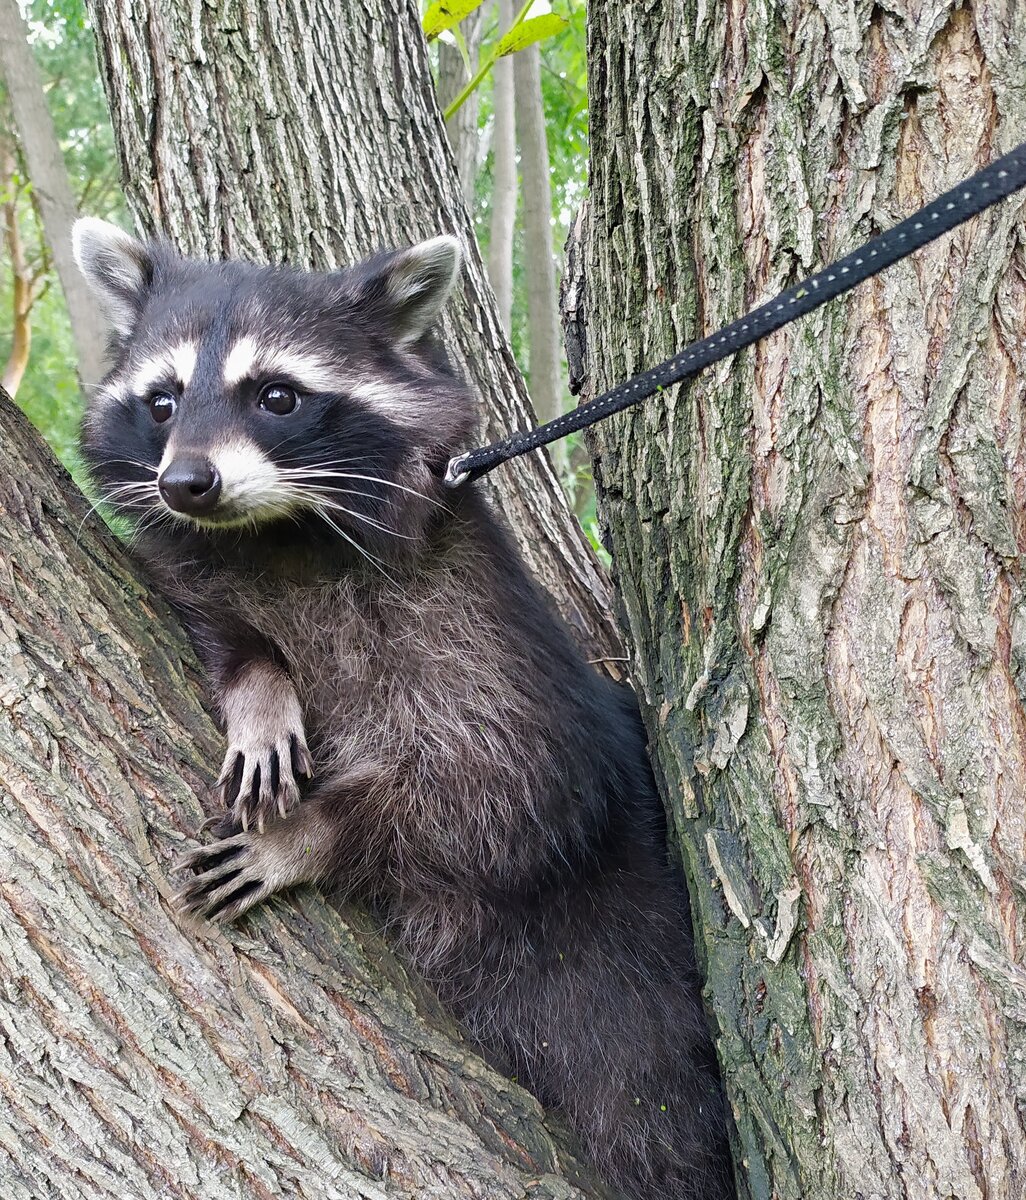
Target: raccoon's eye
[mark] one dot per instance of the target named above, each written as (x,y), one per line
(162,405)
(279,399)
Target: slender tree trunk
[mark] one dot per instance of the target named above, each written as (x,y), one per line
(52,186)
(539,264)
(217,113)
(462,125)
(504,177)
(21,278)
(142,1057)
(819,554)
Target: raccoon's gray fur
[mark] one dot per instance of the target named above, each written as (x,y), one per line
(407,720)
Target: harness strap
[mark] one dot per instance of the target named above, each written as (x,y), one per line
(980,191)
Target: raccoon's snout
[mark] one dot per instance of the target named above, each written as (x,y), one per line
(190,486)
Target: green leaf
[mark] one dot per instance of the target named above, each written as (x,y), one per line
(444,14)
(528,32)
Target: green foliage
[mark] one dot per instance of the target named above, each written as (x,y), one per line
(49,394)
(444,14)
(525,33)
(62,42)
(521,34)
(565,97)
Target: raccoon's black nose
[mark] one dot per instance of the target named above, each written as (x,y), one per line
(190,486)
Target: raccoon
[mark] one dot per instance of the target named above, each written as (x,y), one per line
(407,720)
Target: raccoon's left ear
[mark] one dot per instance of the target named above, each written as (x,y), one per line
(117,266)
(416,284)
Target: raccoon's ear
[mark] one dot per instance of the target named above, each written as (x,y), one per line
(416,284)
(117,266)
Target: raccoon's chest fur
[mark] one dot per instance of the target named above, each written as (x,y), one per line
(420,688)
(391,659)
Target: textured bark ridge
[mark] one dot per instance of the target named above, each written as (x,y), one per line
(144,1058)
(309,132)
(819,550)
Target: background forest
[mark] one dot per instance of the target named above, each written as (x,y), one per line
(498,167)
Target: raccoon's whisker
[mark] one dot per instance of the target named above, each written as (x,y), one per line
(130,462)
(369,479)
(330,462)
(111,498)
(376,562)
(320,489)
(140,488)
(153,520)
(311,469)
(336,507)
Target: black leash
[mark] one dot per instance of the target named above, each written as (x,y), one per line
(978,192)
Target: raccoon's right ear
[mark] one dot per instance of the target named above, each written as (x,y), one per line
(410,287)
(117,266)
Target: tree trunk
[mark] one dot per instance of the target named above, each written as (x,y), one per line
(142,1057)
(52,186)
(539,267)
(21,277)
(504,177)
(818,549)
(462,125)
(310,132)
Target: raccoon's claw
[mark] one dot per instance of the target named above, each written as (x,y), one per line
(229,878)
(259,783)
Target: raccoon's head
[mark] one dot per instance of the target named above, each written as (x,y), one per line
(245,396)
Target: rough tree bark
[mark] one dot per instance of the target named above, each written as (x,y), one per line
(49,176)
(139,1056)
(540,266)
(819,555)
(504,177)
(309,132)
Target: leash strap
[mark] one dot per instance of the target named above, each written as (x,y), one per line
(987,187)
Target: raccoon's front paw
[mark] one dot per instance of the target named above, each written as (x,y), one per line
(230,877)
(259,778)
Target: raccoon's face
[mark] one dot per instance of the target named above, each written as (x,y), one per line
(245,396)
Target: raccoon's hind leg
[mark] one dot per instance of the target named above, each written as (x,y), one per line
(238,871)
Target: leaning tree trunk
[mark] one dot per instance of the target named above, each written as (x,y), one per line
(819,554)
(309,132)
(143,1057)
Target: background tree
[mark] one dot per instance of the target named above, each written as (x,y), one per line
(52,191)
(542,292)
(457,62)
(504,177)
(63,49)
(818,552)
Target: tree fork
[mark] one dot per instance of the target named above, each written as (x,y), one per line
(143,1057)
